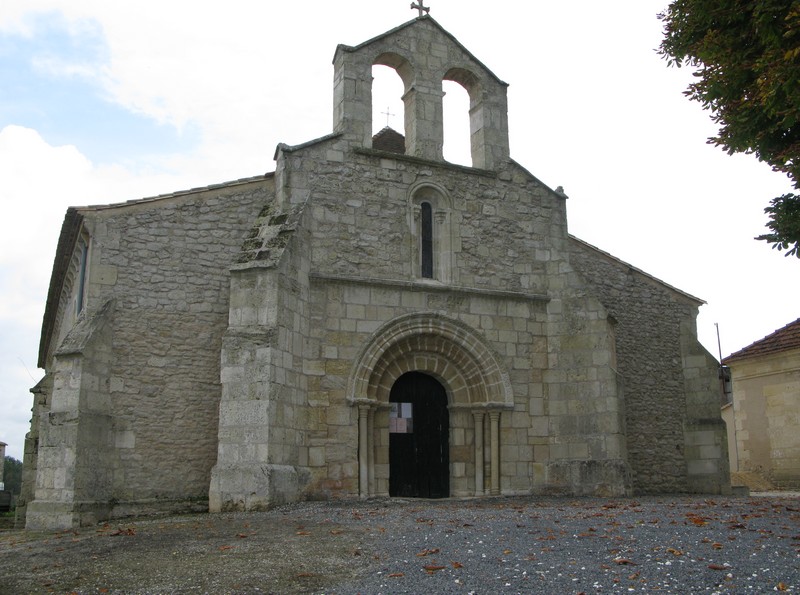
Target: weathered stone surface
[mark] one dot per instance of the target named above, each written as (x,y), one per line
(258,328)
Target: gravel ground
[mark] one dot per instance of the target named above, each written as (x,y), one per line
(505,545)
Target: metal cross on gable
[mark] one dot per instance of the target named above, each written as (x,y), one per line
(388,115)
(420,7)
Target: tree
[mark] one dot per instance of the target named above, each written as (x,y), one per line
(746,56)
(12,475)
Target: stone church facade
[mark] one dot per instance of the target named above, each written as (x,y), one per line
(366,321)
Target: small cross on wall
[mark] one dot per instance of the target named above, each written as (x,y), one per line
(420,7)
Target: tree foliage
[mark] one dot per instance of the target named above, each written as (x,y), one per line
(12,475)
(746,60)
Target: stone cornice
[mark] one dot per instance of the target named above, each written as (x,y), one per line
(430,286)
(426,162)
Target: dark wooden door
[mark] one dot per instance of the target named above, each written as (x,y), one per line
(419,439)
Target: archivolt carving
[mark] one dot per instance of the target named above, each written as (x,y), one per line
(445,348)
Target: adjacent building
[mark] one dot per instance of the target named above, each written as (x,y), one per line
(763,418)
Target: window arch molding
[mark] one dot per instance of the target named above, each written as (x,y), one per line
(432,237)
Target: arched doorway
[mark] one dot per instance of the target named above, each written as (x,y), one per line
(477,387)
(419,438)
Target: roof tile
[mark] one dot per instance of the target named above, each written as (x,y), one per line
(783,339)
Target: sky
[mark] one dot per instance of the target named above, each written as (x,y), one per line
(102,102)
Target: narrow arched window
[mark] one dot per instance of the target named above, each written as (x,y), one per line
(426,240)
(82,277)
(429,216)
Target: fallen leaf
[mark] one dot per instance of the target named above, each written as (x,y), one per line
(718,566)
(304,574)
(241,535)
(396,575)
(506,551)
(697,520)
(674,552)
(225,547)
(424,553)
(782,587)
(430,569)
(624,562)
(716,546)
(336,531)
(303,533)
(458,565)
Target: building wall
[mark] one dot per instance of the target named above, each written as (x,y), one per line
(347,315)
(507,280)
(260,326)
(146,393)
(730,428)
(265,425)
(673,424)
(767,415)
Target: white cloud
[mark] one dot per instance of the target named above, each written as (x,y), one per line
(56,66)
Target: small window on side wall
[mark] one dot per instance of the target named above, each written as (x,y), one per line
(80,298)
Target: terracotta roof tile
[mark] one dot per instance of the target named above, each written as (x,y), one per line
(783,339)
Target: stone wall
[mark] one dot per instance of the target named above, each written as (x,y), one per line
(75,459)
(265,422)
(261,324)
(506,232)
(669,379)
(767,414)
(348,314)
(169,264)
(165,264)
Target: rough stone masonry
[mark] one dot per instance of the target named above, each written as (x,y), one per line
(284,337)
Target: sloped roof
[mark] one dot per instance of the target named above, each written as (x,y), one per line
(389,140)
(783,339)
(638,271)
(70,230)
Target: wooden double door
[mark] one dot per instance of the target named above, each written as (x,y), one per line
(419,440)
